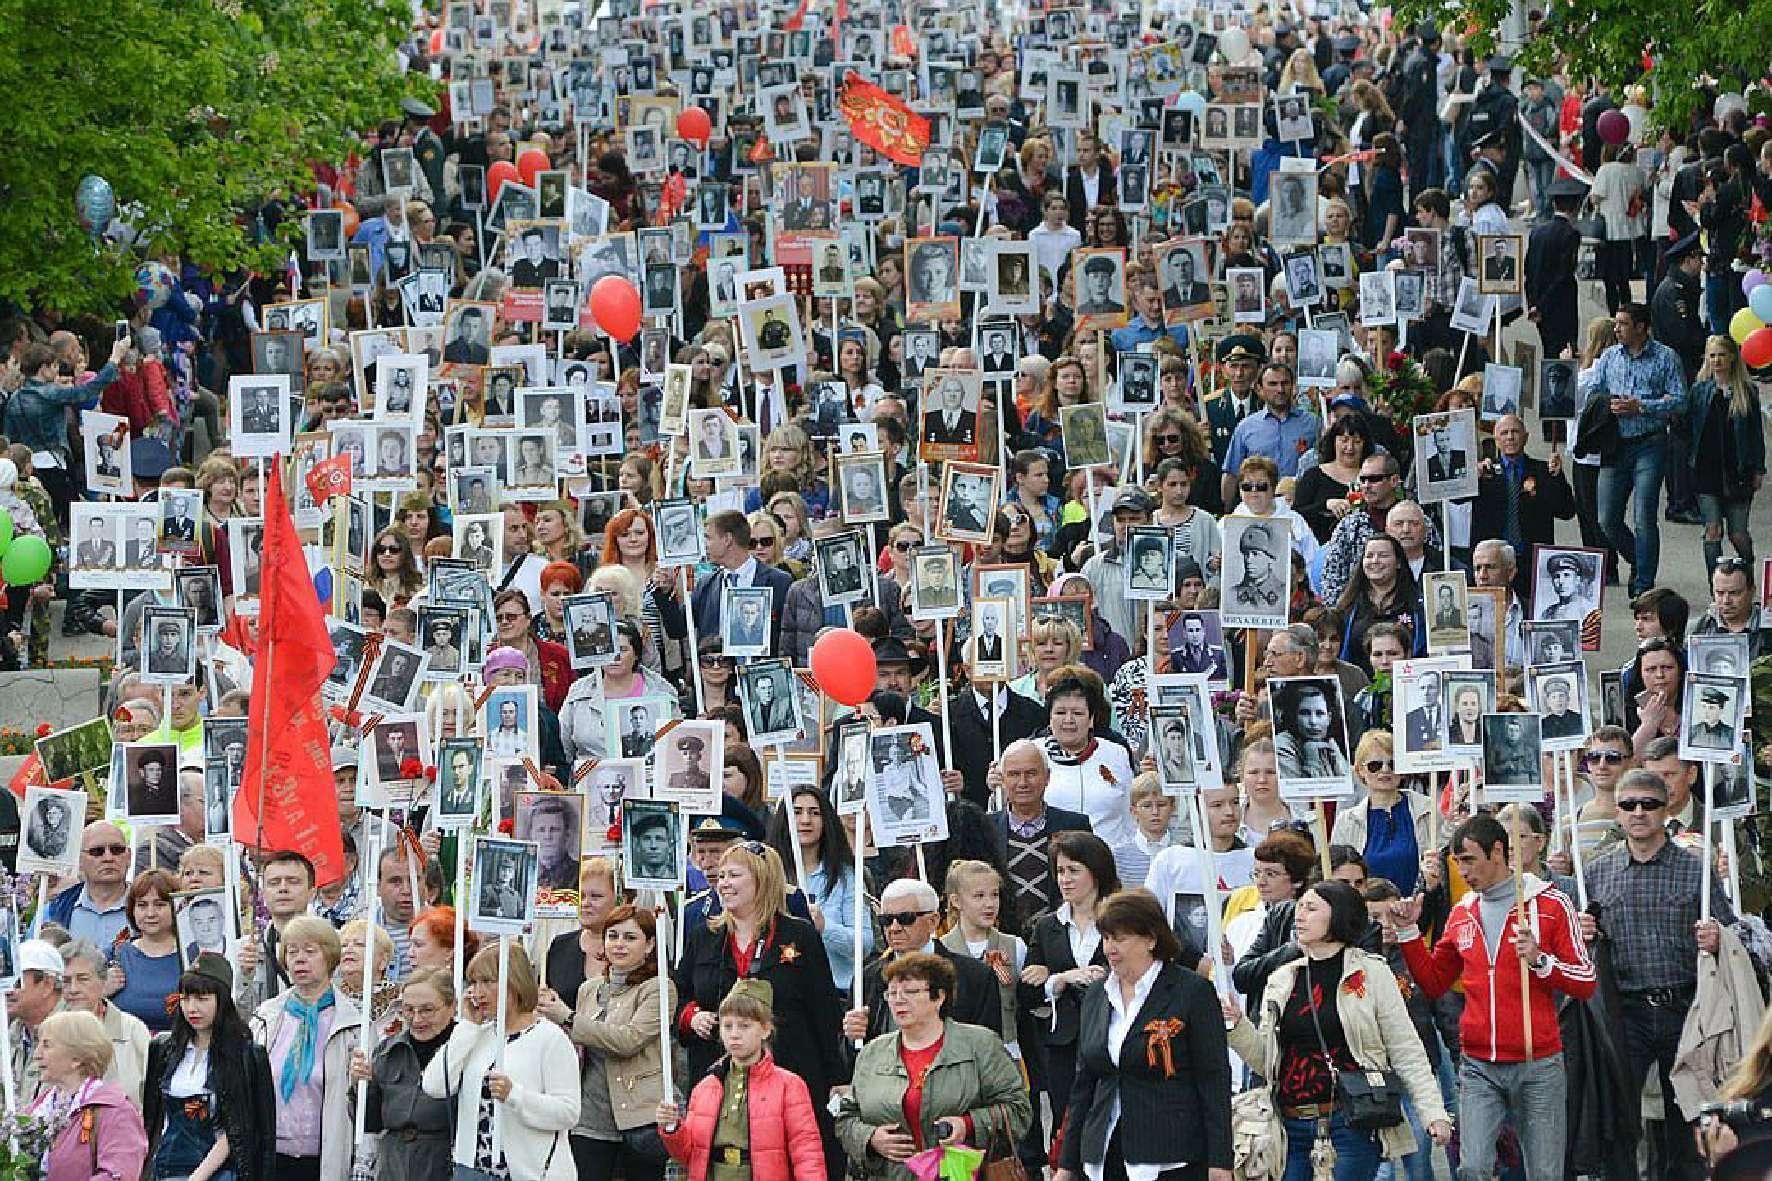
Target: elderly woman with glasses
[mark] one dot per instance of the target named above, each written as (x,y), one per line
(549,665)
(83,989)
(930,1081)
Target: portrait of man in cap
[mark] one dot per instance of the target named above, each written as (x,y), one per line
(1710,728)
(1258,587)
(1102,290)
(1567,587)
(1559,713)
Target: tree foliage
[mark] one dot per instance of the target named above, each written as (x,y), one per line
(1605,40)
(193,110)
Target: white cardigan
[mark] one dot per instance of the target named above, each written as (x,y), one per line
(541,1109)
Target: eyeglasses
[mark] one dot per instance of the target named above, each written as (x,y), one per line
(1380,478)
(1638,804)
(904,547)
(1374,766)
(510,616)
(108,850)
(389,549)
(904,918)
(1172,437)
(1254,487)
(762,542)
(1609,757)
(1730,565)
(905,994)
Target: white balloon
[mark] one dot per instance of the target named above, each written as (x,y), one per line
(1234,44)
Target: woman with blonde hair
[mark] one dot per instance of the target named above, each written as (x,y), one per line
(578,955)
(1055,643)
(348,976)
(523,1077)
(796,523)
(558,537)
(788,450)
(1300,73)
(1585,477)
(94,1131)
(767,543)
(754,937)
(1389,825)
(201,867)
(639,477)
(1728,451)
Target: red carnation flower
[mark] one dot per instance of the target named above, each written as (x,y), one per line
(411,768)
(1394,361)
(44,730)
(507,826)
(431,774)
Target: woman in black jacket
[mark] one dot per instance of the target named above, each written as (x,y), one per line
(207,1099)
(1065,955)
(1153,1082)
(754,937)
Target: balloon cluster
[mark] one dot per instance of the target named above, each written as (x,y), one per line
(24,561)
(1748,327)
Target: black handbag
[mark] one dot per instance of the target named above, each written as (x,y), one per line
(1369,1100)
(1596,430)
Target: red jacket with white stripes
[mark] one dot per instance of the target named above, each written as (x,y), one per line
(1492,1028)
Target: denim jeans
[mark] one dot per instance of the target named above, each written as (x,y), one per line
(1356,1153)
(1651,1038)
(1530,1096)
(1634,475)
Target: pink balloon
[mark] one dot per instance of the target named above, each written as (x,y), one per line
(1614,127)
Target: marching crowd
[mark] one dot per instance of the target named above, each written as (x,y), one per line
(1171,471)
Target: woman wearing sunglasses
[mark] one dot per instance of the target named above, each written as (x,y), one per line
(1390,825)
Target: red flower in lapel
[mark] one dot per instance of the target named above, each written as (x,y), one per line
(1355,984)
(789,954)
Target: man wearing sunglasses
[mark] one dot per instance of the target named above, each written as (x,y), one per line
(1644,900)
(1607,757)
(910,911)
(94,909)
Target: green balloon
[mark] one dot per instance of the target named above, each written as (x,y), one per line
(5,530)
(26,561)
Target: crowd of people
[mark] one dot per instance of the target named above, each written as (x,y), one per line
(1237,790)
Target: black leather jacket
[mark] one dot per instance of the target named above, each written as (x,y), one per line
(240,1076)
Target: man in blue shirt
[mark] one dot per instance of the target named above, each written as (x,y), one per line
(1147,325)
(1644,385)
(1279,430)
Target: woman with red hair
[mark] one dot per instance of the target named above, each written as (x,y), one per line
(559,580)
(631,542)
(432,940)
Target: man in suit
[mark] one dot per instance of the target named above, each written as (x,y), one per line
(1183,288)
(1240,357)
(987,646)
(910,911)
(179,524)
(142,551)
(534,267)
(468,345)
(97,551)
(1498,267)
(1520,499)
(773,711)
(1426,722)
(969,720)
(1089,182)
(1446,462)
(1552,252)
(999,356)
(747,629)
(728,539)
(947,421)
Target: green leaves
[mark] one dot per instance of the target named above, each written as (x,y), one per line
(194,111)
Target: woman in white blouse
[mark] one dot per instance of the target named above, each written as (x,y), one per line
(1091,773)
(517,1090)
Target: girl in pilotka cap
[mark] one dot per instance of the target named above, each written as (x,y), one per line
(748,1118)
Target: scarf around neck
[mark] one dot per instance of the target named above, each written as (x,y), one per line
(300,1062)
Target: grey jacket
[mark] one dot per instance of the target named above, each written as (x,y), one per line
(802,617)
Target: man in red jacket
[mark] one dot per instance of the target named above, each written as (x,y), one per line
(1502,1077)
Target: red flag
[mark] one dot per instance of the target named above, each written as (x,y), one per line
(329,478)
(883,121)
(288,774)
(795,22)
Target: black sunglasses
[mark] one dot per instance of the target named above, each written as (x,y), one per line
(904,918)
(1639,804)
(1609,757)
(1253,487)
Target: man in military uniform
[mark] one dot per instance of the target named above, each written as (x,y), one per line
(1675,322)
(1098,284)
(1559,721)
(445,656)
(692,777)
(1240,356)
(427,147)
(1552,252)
(1710,731)
(1262,588)
(773,333)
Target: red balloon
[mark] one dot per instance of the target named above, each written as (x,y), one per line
(496,176)
(693,124)
(532,162)
(1614,127)
(1756,350)
(843,665)
(615,305)
(351,218)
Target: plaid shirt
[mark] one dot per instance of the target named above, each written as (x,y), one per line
(1647,910)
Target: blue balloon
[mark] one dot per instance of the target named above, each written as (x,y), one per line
(1760,300)
(1191,101)
(95,202)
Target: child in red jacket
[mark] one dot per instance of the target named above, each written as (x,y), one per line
(773,1104)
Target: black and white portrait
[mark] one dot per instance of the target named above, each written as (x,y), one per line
(1501,391)
(1318,352)
(949,428)
(508,720)
(766,689)
(1448,626)
(1303,285)
(504,886)
(1378,299)
(654,852)
(552,821)
(935,583)
(906,803)
(1310,737)
(258,414)
(1248,294)
(1566,584)
(1150,562)
(1559,693)
(201,918)
(1292,117)
(968,501)
(53,820)
(932,266)
(150,780)
(1500,270)
(861,483)
(1556,389)
(1293,207)
(679,533)
(198,589)
(1511,772)
(1711,714)
(169,645)
(1137,386)
(1445,449)
(1084,430)
(458,782)
(1257,571)
(688,762)
(394,678)
(1172,745)
(744,621)
(590,630)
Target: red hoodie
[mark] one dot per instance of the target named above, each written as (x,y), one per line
(1492,1029)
